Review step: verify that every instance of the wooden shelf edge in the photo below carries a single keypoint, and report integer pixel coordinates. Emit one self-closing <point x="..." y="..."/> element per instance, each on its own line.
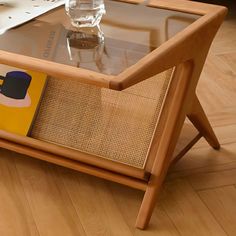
<point x="75" y="165"/>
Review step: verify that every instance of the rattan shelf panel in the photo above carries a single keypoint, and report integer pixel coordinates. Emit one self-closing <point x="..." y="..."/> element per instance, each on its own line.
<point x="115" y="125"/>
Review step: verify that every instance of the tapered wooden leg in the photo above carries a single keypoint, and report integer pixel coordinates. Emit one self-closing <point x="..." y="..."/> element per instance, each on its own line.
<point x="165" y="152"/>
<point x="199" y="119"/>
<point x="172" y="124"/>
<point x="149" y="201"/>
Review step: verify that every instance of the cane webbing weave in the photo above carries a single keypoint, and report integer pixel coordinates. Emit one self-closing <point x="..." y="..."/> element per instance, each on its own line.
<point x="111" y="124"/>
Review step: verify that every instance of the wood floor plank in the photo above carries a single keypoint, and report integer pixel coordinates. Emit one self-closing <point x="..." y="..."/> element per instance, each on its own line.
<point x="225" y="134"/>
<point x="15" y="214"/>
<point x="98" y="212"/>
<point x="221" y="202"/>
<point x="129" y="201"/>
<point x="213" y="180"/>
<point x="230" y="59"/>
<point x="216" y="88"/>
<point x="187" y="211"/>
<point x="51" y="207"/>
<point x="224" y="117"/>
<point x="225" y="41"/>
<point x="202" y="160"/>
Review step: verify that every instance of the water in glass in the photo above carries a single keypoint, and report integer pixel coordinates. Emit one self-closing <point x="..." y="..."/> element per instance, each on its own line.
<point x="85" y="13"/>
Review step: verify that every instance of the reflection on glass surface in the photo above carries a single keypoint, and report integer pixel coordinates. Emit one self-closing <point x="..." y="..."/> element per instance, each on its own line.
<point x="86" y="46"/>
<point x="131" y="31"/>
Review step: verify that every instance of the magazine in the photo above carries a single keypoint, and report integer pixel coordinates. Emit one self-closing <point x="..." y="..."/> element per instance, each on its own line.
<point x="20" y="90"/>
<point x="20" y="94"/>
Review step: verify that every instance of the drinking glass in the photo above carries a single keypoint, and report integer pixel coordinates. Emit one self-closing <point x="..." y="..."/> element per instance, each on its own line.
<point x="85" y="13"/>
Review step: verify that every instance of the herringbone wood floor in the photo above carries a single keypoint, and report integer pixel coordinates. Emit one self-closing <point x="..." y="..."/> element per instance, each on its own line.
<point x="199" y="196"/>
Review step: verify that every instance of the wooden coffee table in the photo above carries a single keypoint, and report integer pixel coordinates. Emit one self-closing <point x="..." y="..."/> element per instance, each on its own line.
<point x="116" y="108"/>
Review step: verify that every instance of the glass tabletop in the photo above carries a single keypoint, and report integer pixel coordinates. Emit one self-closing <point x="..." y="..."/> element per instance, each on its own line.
<point x="130" y="32"/>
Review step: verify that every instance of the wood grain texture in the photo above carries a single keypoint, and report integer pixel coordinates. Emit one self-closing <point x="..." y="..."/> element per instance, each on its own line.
<point x="184" y="6"/>
<point x="221" y="202"/>
<point x="213" y="179"/>
<point x="73" y="154"/>
<point x="50" y="204"/>
<point x="132" y="182"/>
<point x="190" y="215"/>
<point x="97" y="210"/>
<point x="216" y="91"/>
<point x="160" y="223"/>
<point x="180" y="52"/>
<point x="205" y="160"/>
<point x="15" y="214"/>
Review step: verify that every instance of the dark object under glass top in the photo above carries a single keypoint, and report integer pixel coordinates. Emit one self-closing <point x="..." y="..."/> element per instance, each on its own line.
<point x="130" y="31"/>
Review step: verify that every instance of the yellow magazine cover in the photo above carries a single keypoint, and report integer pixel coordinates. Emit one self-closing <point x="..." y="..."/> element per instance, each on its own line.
<point x="20" y="94"/>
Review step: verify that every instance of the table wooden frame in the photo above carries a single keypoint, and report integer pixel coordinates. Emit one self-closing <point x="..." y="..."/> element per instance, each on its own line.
<point x="186" y="52"/>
